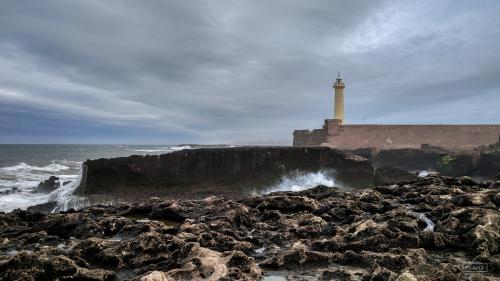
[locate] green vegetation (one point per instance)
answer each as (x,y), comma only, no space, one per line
(446,162)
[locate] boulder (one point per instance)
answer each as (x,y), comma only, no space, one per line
(388,176)
(48,185)
(44,208)
(406,276)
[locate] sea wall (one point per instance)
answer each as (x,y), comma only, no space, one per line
(204,172)
(338,136)
(309,138)
(410,136)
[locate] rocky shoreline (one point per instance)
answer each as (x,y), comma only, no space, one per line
(198,173)
(431,228)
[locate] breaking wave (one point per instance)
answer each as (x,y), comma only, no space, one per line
(18,183)
(301,181)
(152,150)
(65,199)
(181,147)
(52,167)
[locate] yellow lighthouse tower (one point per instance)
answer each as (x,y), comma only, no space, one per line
(338,108)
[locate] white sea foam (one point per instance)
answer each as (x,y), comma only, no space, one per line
(428,222)
(65,199)
(21,200)
(52,167)
(423,174)
(182,147)
(302,181)
(18,183)
(152,150)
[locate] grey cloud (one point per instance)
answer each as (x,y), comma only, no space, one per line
(247,70)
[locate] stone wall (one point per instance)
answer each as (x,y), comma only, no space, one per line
(309,137)
(340,136)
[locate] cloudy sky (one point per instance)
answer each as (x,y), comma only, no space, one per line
(222,71)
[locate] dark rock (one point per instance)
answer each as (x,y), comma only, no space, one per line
(288,203)
(44,208)
(167,214)
(388,176)
(408,159)
(488,164)
(9,191)
(48,185)
(338,275)
(367,153)
(198,173)
(471,199)
(84,274)
(382,274)
(379,233)
(271,215)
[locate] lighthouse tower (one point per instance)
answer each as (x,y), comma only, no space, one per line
(338,108)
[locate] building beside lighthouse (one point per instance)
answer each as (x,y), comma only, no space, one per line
(336,133)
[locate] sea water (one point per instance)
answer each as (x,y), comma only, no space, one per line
(22,167)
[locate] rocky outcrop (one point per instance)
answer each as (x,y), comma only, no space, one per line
(489,162)
(429,229)
(483,162)
(48,185)
(386,176)
(408,159)
(203,172)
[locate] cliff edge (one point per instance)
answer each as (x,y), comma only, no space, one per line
(199,173)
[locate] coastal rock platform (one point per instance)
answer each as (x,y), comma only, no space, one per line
(433,228)
(198,173)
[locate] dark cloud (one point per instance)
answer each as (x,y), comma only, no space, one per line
(222,71)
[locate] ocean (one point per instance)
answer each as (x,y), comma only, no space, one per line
(23,167)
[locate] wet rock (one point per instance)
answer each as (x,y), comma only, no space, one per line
(271,215)
(388,176)
(9,191)
(379,233)
(84,274)
(297,255)
(471,199)
(44,208)
(382,274)
(48,185)
(29,266)
(202,263)
(241,267)
(288,203)
(338,275)
(153,276)
(167,214)
(405,276)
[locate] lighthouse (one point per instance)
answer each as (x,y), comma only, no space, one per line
(338,107)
